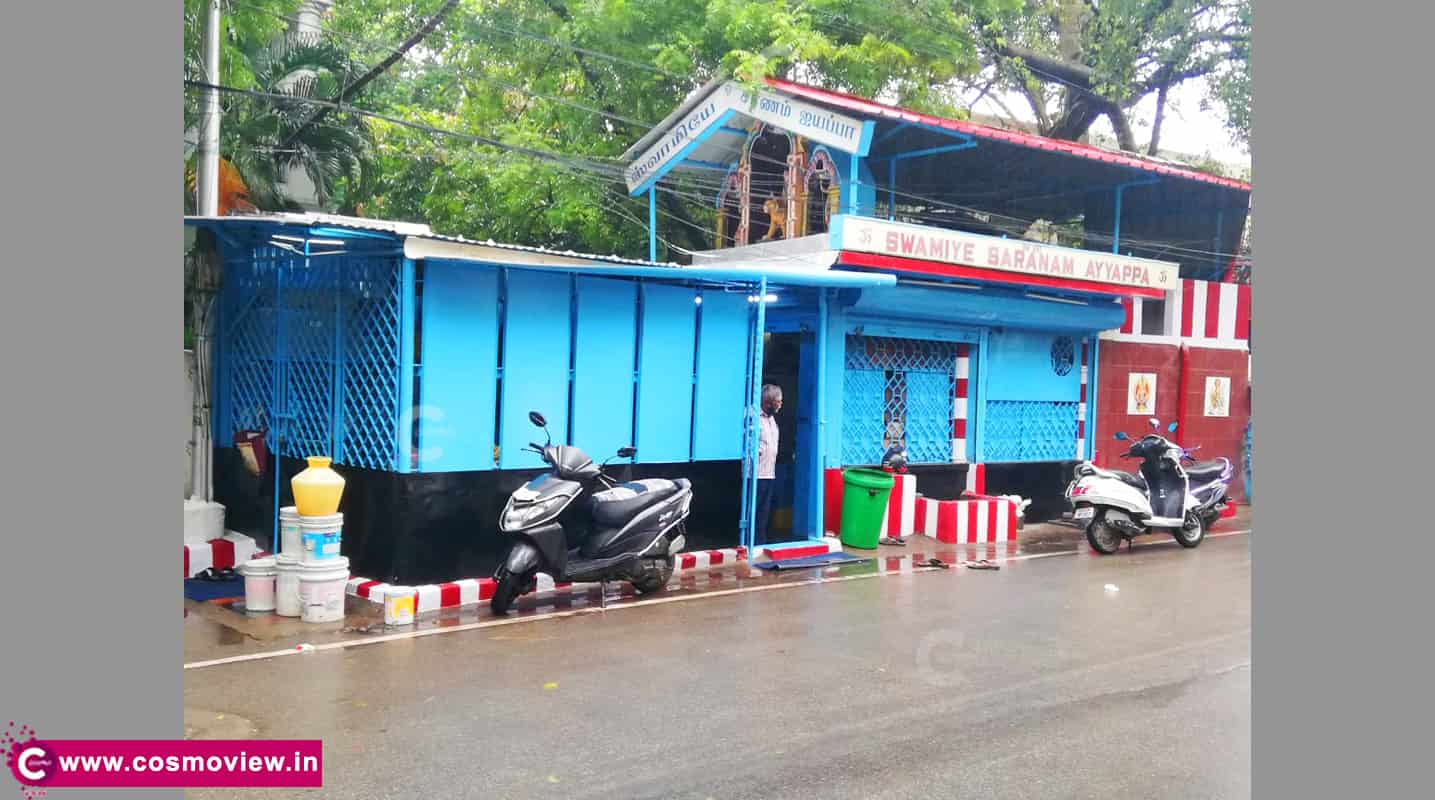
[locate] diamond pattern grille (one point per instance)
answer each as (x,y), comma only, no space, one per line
(897,391)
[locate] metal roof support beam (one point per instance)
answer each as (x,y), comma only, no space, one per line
(931,151)
(901,126)
(1116,228)
(697,164)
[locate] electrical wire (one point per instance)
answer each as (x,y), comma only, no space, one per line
(614,169)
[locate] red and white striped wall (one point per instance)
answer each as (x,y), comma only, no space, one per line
(1197,310)
(959,404)
(1081,404)
(979,520)
(977,479)
(901,518)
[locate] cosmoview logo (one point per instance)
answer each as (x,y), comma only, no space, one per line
(35,763)
(31,762)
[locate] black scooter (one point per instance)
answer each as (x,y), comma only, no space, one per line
(620,531)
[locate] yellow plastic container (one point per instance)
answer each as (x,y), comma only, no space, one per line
(317,490)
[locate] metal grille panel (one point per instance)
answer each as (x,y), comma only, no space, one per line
(1020,430)
(895,391)
(332,327)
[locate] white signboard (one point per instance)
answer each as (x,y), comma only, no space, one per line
(867,235)
(1141,394)
(1218,396)
(803,119)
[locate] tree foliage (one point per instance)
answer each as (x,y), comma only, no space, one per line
(585,79)
(264,139)
(1076,61)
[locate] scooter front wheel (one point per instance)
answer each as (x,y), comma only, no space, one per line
(507,589)
(1191,533)
(1102,537)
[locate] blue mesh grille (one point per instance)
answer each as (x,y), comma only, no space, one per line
(370,391)
(895,391)
(334,334)
(1020,430)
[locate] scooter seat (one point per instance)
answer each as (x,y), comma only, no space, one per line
(1207,471)
(1125,477)
(614,507)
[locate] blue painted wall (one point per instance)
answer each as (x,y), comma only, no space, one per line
(665,381)
(1021,368)
(603,360)
(535,363)
(722,375)
(459,362)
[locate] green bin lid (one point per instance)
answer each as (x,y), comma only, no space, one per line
(868,478)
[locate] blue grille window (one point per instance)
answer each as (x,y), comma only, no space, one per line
(897,392)
(1022,430)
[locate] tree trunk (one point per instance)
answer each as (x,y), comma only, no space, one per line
(1155,146)
(1125,137)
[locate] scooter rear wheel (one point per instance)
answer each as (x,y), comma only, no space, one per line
(507,589)
(1102,537)
(653,575)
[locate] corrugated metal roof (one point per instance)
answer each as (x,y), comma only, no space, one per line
(871,107)
(563,259)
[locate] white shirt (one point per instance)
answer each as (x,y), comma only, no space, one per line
(767,446)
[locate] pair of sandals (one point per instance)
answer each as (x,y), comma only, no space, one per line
(216,576)
(939,564)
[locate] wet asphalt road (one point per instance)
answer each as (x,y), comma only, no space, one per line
(1034,681)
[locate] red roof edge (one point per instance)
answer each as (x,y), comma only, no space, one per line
(863,105)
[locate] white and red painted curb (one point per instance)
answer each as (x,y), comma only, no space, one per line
(472,591)
(977,520)
(222,553)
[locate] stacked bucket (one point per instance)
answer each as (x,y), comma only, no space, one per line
(307,578)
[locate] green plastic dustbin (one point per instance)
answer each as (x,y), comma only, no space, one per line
(864,503)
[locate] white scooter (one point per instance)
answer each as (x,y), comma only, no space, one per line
(1173,493)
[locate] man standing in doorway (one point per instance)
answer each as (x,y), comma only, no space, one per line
(766,458)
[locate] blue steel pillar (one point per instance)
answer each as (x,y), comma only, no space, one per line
(820,479)
(754,404)
(653,223)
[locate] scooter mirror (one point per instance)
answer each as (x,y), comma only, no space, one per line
(1120,437)
(1171,427)
(537,419)
(627,452)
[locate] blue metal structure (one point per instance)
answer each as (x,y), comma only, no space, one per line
(429,363)
(408,365)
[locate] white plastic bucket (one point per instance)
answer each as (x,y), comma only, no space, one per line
(286,587)
(290,538)
(399,602)
(259,576)
(321,537)
(321,589)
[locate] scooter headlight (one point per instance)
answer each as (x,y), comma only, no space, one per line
(517,517)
